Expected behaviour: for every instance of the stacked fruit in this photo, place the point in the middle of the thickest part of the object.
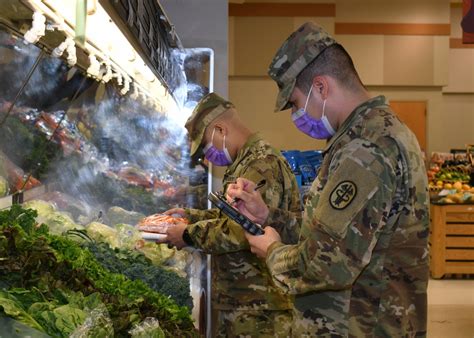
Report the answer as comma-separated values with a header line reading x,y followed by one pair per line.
x,y
451,183
449,177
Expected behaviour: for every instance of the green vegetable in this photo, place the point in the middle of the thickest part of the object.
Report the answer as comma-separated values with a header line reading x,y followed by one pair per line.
x,y
149,328
3,186
58,222
12,328
53,284
98,325
13,308
137,267
117,215
157,254
103,233
128,236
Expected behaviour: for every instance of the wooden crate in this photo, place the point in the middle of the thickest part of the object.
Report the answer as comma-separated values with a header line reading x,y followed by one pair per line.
x,y
452,240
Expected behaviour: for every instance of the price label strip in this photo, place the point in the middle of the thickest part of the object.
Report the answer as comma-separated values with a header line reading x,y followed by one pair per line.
x,y
220,202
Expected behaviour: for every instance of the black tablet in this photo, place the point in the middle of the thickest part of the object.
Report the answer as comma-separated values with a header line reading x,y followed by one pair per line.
x,y
220,202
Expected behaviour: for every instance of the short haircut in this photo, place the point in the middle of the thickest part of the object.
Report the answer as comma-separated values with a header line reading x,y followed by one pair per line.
x,y
334,61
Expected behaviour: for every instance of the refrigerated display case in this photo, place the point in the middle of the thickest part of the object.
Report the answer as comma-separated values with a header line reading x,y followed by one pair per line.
x,y
92,138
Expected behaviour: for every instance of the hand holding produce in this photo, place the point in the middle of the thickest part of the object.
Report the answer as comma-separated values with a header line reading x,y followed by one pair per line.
x,y
175,235
176,211
159,223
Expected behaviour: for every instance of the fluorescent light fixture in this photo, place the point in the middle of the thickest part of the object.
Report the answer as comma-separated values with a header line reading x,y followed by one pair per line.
x,y
106,42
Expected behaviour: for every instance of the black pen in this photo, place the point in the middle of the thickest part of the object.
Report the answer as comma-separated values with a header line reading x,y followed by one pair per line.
x,y
258,186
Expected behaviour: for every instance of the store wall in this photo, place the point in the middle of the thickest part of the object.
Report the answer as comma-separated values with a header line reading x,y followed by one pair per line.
x,y
402,49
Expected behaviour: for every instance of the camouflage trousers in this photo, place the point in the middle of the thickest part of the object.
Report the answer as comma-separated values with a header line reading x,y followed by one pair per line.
x,y
252,323
320,327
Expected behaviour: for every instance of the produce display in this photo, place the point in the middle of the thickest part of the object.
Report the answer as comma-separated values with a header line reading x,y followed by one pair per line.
x,y
95,162
56,285
449,179
116,234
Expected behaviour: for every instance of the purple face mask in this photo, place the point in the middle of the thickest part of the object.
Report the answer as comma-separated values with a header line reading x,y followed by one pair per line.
x,y
320,129
218,157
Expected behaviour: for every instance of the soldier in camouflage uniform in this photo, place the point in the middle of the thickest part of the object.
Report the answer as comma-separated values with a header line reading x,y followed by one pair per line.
x,y
245,301
360,268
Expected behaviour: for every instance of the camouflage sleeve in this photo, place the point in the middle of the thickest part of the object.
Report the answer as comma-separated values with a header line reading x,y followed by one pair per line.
x,y
218,235
195,215
274,193
286,222
341,225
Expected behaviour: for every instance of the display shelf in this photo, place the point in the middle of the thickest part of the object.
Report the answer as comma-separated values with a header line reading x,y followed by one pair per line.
x,y
452,240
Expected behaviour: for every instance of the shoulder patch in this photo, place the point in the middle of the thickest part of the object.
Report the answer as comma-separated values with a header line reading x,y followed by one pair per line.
x,y
342,195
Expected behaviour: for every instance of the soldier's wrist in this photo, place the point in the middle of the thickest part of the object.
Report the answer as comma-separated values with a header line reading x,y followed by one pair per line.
x,y
187,238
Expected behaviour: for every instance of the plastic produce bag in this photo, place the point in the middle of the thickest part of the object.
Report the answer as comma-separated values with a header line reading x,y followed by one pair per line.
x,y
117,215
314,157
66,203
307,170
57,222
103,233
293,158
149,328
97,324
156,253
127,236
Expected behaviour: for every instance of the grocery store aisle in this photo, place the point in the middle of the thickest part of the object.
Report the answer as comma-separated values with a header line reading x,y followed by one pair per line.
x,y
451,308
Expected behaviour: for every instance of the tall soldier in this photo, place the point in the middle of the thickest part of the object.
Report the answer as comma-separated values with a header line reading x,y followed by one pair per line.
x,y
360,268
244,298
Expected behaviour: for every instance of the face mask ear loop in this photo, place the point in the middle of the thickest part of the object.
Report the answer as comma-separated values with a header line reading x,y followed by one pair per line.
x,y
324,107
212,136
226,151
307,99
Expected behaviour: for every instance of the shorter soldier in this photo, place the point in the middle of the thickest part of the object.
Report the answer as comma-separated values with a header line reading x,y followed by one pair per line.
x,y
360,268
244,299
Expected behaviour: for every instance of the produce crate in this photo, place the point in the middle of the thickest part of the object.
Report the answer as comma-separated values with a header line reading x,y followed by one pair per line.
x,y
452,239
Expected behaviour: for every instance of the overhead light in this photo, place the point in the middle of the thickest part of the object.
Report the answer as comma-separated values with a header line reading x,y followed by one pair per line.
x,y
103,40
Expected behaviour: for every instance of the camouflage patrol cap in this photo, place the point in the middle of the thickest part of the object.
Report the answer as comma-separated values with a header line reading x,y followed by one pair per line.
x,y
301,47
206,111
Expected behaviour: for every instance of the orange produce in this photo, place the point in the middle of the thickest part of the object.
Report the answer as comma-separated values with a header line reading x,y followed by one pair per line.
x,y
457,185
448,186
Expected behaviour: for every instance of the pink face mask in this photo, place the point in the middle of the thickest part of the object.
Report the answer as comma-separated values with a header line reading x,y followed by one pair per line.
x,y
316,128
215,156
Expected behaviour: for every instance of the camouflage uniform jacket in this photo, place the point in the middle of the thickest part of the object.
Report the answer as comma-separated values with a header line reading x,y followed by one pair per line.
x,y
239,279
361,265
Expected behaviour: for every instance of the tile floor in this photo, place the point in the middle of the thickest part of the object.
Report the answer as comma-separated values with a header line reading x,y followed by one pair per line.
x,y
451,308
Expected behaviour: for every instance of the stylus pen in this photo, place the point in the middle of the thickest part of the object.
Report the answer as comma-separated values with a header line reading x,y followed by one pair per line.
x,y
258,186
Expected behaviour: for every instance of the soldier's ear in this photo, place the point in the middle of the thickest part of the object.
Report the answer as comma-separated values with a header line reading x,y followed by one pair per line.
x,y
221,128
321,85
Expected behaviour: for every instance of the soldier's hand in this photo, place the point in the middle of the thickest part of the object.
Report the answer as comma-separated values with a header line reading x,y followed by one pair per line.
x,y
259,244
248,201
175,235
176,211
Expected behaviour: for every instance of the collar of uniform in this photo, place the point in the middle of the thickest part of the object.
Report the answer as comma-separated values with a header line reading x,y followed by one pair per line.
x,y
244,150
362,108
